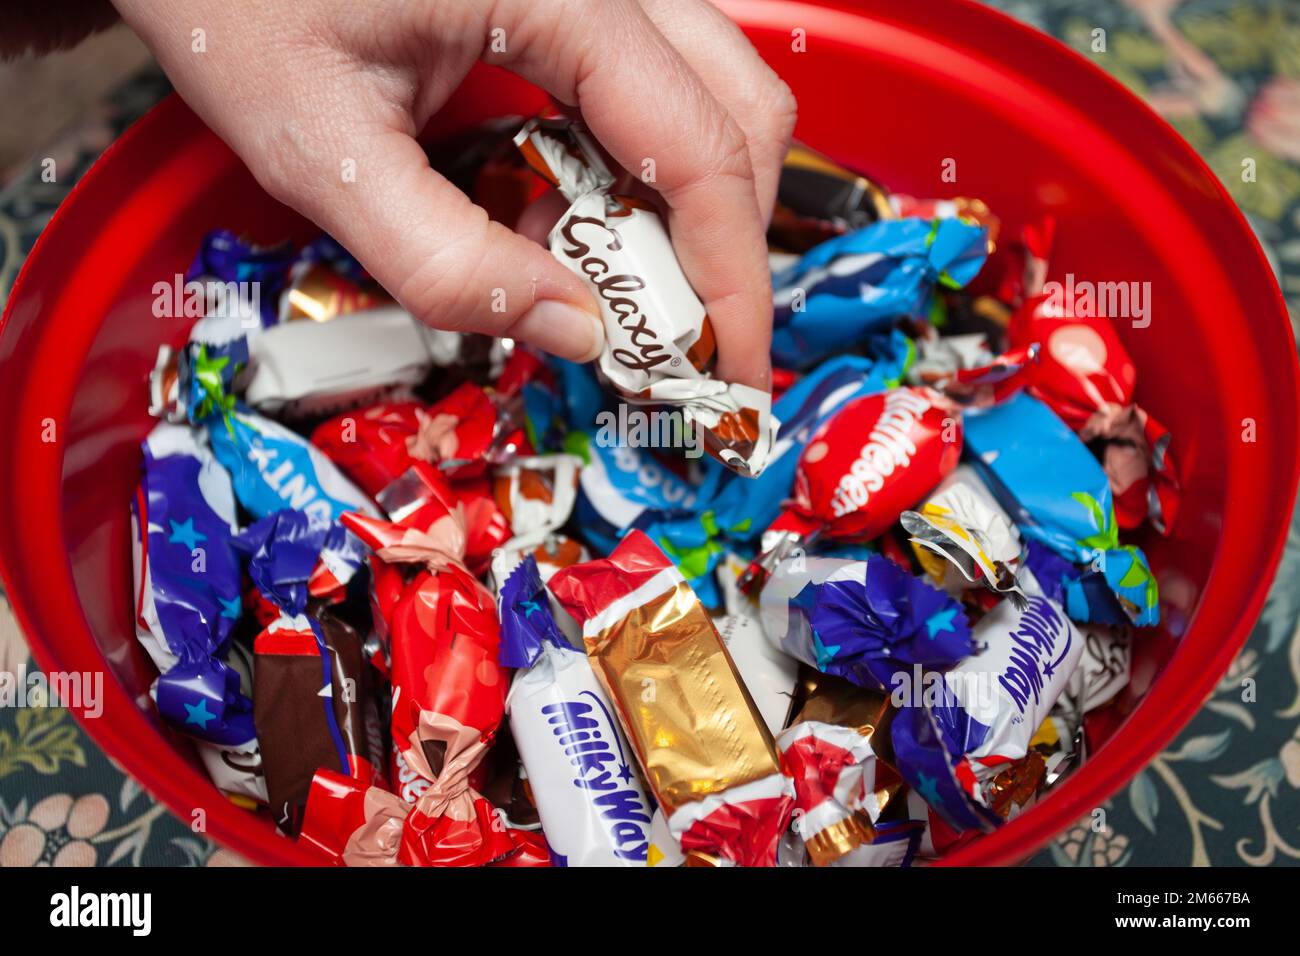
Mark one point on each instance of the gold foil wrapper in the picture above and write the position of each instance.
(319, 294)
(689, 718)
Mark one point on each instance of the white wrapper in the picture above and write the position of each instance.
(658, 340)
(1106, 665)
(593, 809)
(769, 675)
(962, 525)
(305, 368)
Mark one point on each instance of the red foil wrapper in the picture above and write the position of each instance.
(421, 496)
(448, 699)
(460, 434)
(877, 457)
(1071, 359)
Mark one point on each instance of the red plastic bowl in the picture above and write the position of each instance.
(896, 89)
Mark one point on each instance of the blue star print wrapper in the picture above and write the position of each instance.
(589, 797)
(839, 292)
(1058, 495)
(187, 585)
(865, 621)
(955, 732)
(312, 702)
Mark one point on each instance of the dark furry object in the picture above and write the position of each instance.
(39, 26)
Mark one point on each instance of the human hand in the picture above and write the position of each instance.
(298, 89)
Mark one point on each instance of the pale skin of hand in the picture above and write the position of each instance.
(297, 88)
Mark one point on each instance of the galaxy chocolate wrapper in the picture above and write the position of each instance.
(956, 731)
(659, 342)
(581, 770)
(669, 677)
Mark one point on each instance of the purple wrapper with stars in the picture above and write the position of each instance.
(187, 577)
(863, 620)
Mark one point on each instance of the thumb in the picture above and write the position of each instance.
(436, 251)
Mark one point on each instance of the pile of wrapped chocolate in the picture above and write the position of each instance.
(413, 598)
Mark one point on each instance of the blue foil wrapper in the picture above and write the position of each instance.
(227, 257)
(625, 488)
(866, 621)
(282, 550)
(1057, 493)
(190, 587)
(839, 292)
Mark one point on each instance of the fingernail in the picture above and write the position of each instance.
(562, 329)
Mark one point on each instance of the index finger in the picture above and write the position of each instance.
(656, 117)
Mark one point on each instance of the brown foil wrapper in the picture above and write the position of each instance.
(288, 712)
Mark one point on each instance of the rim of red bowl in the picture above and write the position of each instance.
(135, 743)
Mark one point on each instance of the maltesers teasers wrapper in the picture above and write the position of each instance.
(705, 751)
(1086, 376)
(312, 700)
(581, 770)
(183, 517)
(958, 730)
(659, 343)
(877, 456)
(1049, 481)
(864, 621)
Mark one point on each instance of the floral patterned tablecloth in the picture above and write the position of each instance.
(1226, 74)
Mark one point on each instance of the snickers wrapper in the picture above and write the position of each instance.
(659, 343)
(705, 750)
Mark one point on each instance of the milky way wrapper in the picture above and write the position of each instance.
(581, 772)
(706, 753)
(659, 342)
(955, 734)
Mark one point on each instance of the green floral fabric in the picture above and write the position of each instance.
(1226, 74)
